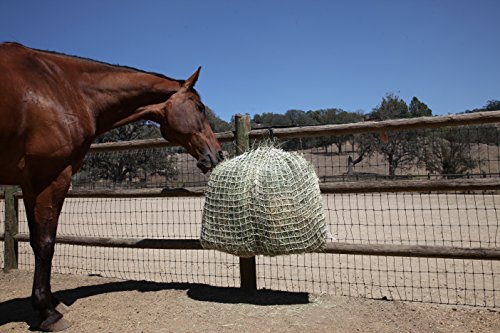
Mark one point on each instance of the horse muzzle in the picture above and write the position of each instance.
(208, 161)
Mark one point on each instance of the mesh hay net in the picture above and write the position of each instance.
(264, 202)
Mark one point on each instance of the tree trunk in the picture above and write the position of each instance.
(351, 163)
(392, 166)
(350, 166)
(339, 146)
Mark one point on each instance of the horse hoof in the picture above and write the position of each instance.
(57, 326)
(62, 308)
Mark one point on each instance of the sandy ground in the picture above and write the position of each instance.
(110, 305)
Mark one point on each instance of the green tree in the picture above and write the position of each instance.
(448, 153)
(391, 107)
(299, 118)
(398, 148)
(419, 109)
(364, 147)
(345, 117)
(269, 119)
(290, 118)
(217, 124)
(492, 105)
(335, 116)
(119, 167)
(487, 134)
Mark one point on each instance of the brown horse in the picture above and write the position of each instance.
(52, 106)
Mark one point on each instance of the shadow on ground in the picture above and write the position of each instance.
(20, 310)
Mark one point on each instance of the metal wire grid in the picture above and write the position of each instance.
(174, 218)
(479, 146)
(173, 266)
(445, 281)
(2, 229)
(448, 219)
(171, 217)
(453, 219)
(152, 167)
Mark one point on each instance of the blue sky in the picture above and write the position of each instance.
(271, 56)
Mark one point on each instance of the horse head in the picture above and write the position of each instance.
(184, 122)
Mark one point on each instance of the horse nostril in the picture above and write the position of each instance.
(220, 156)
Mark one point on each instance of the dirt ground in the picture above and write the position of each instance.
(110, 305)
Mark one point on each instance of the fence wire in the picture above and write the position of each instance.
(445, 281)
(454, 152)
(431, 218)
(154, 218)
(2, 228)
(139, 168)
(456, 219)
(448, 219)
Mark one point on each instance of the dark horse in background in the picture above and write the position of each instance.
(52, 107)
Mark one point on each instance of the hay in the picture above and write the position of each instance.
(264, 202)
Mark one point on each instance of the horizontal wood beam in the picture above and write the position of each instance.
(390, 250)
(477, 118)
(148, 143)
(137, 193)
(137, 243)
(133, 193)
(477, 184)
(421, 251)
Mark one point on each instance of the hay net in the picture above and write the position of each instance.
(264, 202)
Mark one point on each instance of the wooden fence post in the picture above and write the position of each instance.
(242, 127)
(248, 273)
(11, 229)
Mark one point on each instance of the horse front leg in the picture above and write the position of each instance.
(43, 208)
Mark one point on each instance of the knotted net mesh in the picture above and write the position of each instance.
(264, 202)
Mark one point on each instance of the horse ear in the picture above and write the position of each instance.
(189, 83)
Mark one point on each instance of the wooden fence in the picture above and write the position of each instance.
(241, 136)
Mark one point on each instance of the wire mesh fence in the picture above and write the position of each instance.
(2, 228)
(139, 168)
(452, 219)
(426, 218)
(152, 218)
(445, 281)
(448, 219)
(455, 152)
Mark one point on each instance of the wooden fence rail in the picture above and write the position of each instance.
(392, 250)
(438, 185)
(148, 143)
(478, 118)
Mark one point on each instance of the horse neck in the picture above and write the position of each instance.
(117, 94)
